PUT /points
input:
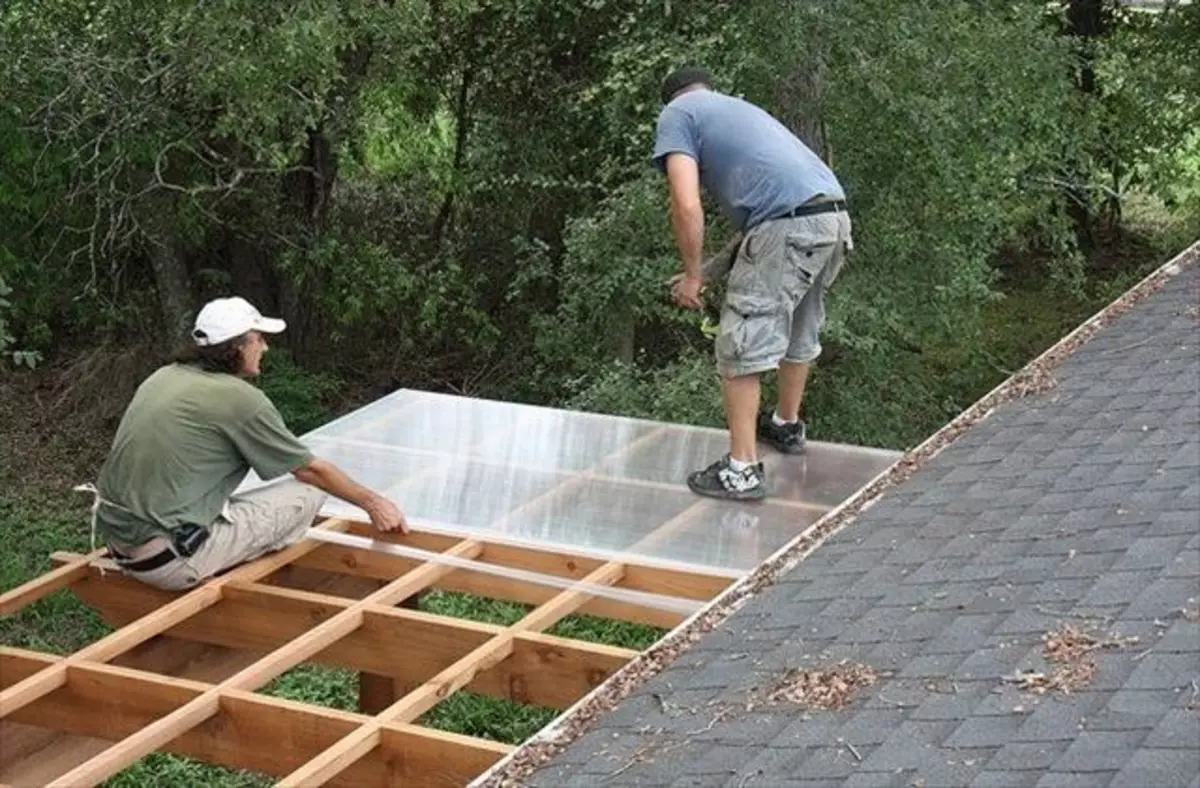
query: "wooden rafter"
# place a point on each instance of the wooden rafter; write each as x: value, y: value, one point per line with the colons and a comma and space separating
x: 262, y: 618
x: 251, y: 727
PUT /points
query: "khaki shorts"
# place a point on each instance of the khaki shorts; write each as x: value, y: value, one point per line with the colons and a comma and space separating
x: 775, y: 298
x: 253, y: 524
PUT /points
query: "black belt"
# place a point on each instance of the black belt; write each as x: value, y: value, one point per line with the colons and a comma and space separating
x: 166, y: 556
x: 186, y: 540
x: 808, y: 209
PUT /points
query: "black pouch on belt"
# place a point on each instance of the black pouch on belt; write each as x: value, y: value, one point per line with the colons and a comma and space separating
x: 187, y: 538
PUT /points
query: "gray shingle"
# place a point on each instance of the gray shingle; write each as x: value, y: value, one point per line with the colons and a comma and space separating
x: 986, y: 731
x: 1099, y: 751
x: 871, y: 726
x: 1164, y: 671
x: 909, y: 746
x: 1118, y: 588
x: 1060, y: 719
x: 1093, y: 779
x: 1154, y: 767
x: 1006, y: 779
x: 953, y: 769
x: 1178, y: 728
x: 1021, y: 756
x: 1163, y: 598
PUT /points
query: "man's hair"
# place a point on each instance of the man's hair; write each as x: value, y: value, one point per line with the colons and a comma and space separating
x: 224, y: 357
x: 681, y: 78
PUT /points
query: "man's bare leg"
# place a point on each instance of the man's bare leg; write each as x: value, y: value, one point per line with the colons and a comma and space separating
x: 741, y: 395
x: 792, y: 380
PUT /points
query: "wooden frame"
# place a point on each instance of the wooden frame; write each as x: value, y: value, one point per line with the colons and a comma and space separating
x: 180, y: 671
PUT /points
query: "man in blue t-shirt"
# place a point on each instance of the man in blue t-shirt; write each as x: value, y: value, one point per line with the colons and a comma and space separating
x: 793, y: 236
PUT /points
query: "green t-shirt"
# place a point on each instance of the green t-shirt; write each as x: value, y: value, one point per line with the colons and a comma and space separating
x: 184, y: 444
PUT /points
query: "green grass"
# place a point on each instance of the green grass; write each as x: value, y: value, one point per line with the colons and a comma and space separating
x: 34, y: 527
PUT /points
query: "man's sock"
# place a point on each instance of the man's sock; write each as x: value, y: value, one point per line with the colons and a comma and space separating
x: 778, y: 422
x: 738, y: 465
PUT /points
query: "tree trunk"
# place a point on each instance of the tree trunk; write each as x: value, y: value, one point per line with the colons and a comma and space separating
x: 462, y: 129
x: 801, y: 93
x: 1087, y: 20
x: 172, y: 280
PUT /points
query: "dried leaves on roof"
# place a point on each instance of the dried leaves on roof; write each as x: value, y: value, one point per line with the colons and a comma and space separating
x: 823, y: 688
x: 1069, y: 652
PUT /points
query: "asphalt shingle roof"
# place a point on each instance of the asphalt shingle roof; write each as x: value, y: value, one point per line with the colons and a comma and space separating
x: 1080, y: 505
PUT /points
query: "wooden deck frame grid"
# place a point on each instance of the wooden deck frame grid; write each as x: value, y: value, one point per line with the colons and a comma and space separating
x: 410, y: 661
x: 427, y: 657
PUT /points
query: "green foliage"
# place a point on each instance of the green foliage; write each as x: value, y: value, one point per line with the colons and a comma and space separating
x: 302, y: 397
x: 947, y: 153
x: 334, y: 688
x: 686, y: 391
x: 1148, y: 73
x: 613, y: 277
x: 472, y: 714
x: 8, y: 347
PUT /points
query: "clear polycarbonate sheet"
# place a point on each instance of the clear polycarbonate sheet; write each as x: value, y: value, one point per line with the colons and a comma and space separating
x: 581, y: 482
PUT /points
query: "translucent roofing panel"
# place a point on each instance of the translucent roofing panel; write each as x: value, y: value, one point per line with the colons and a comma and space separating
x: 584, y: 482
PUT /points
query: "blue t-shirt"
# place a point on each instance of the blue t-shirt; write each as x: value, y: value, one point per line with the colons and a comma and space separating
x: 749, y: 161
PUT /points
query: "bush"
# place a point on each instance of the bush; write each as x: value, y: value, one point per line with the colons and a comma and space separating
x: 301, y: 396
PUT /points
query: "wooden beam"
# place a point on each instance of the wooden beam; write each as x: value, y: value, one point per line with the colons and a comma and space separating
x: 204, y: 706
x: 434, y: 758
x: 341, y: 755
x: 291, y: 626
x: 14, y: 600
x: 256, y: 732
x: 162, y: 619
x: 263, y: 618
x: 694, y: 585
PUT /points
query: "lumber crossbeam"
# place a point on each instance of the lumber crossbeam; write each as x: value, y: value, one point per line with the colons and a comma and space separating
x: 667, y: 581
x: 343, y: 754
x: 543, y: 670
x: 28, y: 593
x: 179, y: 609
x: 206, y: 705
x: 250, y: 729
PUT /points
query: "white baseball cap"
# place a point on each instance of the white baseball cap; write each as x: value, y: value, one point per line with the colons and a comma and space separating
x: 226, y: 318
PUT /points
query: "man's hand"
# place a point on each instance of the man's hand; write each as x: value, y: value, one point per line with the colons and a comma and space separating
x: 685, y: 290
x: 386, y: 516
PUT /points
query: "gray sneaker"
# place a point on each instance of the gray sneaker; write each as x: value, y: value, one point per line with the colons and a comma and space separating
x: 719, y: 480
x: 787, y: 438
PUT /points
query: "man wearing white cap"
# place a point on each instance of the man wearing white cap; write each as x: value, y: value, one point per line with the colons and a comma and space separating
x: 195, y: 428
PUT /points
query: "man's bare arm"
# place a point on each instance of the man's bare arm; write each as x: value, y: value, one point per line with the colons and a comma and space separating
x: 687, y: 213
x: 324, y: 475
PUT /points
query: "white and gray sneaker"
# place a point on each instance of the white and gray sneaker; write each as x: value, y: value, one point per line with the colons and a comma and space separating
x: 720, y: 480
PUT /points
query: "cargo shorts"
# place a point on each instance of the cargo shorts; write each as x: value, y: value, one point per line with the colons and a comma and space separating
x: 775, y: 296
x: 254, y: 523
